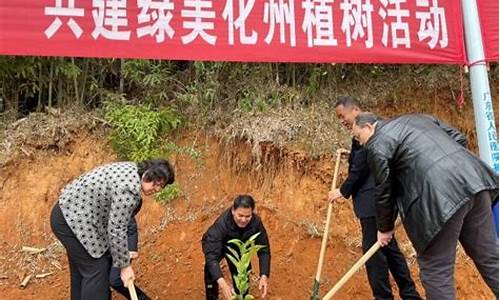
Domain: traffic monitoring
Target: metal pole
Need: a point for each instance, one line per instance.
(481, 96)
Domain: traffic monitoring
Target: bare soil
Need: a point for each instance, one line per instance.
(290, 189)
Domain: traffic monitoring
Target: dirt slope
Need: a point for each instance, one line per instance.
(290, 193)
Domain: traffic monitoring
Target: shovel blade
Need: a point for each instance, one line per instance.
(315, 290)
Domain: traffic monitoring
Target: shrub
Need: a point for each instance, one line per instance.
(136, 129)
(169, 193)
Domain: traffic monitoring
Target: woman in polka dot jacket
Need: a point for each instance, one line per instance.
(91, 217)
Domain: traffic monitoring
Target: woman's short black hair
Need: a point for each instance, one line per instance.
(244, 201)
(157, 170)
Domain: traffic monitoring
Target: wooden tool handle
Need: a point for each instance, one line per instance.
(131, 289)
(352, 271)
(356, 267)
(328, 218)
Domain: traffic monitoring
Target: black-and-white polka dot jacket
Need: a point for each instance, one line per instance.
(98, 207)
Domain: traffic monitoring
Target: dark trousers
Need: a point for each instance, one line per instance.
(117, 284)
(211, 285)
(89, 276)
(473, 226)
(388, 258)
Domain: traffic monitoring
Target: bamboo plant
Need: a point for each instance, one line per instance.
(241, 260)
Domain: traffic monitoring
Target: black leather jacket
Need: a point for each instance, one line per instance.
(423, 170)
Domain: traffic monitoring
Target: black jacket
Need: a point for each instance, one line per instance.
(360, 184)
(423, 170)
(132, 235)
(214, 242)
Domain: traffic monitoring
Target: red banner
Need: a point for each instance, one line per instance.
(488, 13)
(345, 31)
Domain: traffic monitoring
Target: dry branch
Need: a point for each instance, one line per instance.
(32, 250)
(25, 281)
(44, 275)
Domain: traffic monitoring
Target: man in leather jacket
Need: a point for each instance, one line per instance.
(361, 186)
(442, 191)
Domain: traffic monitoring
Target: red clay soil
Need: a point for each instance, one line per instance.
(290, 191)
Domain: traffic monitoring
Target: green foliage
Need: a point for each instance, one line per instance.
(169, 193)
(314, 82)
(258, 100)
(252, 101)
(206, 86)
(218, 95)
(136, 129)
(67, 69)
(190, 152)
(29, 68)
(149, 80)
(54, 80)
(241, 260)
